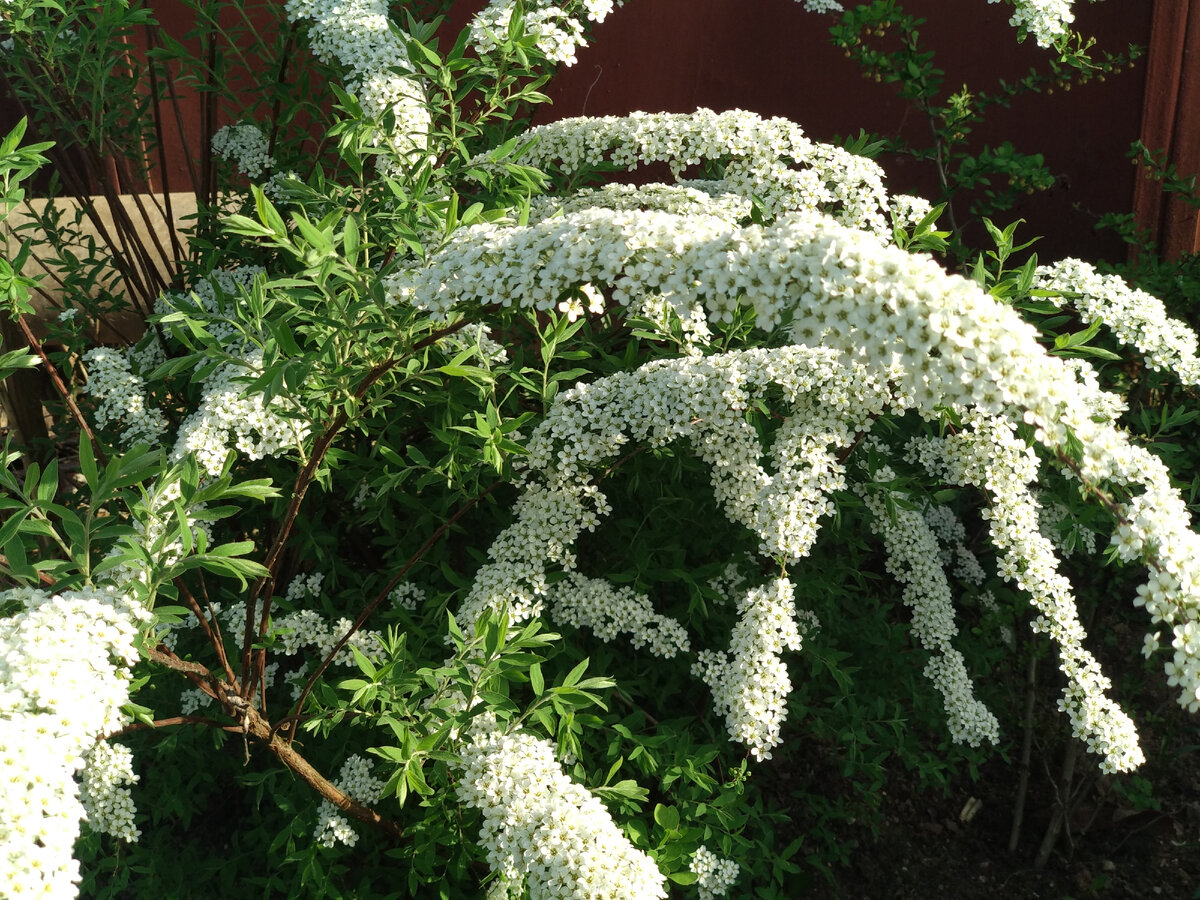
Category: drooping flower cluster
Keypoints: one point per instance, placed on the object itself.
(246, 147)
(1137, 319)
(63, 680)
(359, 35)
(543, 832)
(104, 790)
(750, 683)
(913, 557)
(122, 396)
(358, 782)
(988, 453)
(714, 875)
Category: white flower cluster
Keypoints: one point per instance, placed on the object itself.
(913, 558)
(277, 186)
(951, 537)
(406, 595)
(767, 159)
(304, 587)
(608, 610)
(542, 831)
(63, 680)
(122, 397)
(750, 683)
(557, 30)
(729, 583)
(988, 453)
(1137, 319)
(104, 791)
(714, 875)
(1046, 20)
(359, 784)
(226, 420)
(307, 628)
(246, 147)
(359, 35)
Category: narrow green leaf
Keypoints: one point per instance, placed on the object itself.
(575, 674)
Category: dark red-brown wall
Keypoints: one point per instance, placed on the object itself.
(772, 57)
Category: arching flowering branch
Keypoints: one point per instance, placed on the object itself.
(936, 338)
(1136, 318)
(769, 160)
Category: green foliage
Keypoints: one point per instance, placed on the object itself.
(409, 468)
(885, 42)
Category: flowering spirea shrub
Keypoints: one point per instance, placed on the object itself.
(733, 437)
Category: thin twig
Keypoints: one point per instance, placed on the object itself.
(63, 392)
(168, 722)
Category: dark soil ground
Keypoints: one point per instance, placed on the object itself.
(1124, 837)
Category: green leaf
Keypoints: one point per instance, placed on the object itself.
(12, 524)
(351, 240)
(666, 816)
(15, 360)
(683, 877)
(268, 215)
(87, 461)
(363, 663)
(575, 674)
(536, 680)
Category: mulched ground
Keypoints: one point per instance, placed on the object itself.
(1112, 848)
